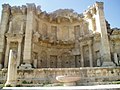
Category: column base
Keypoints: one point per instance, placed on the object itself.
(11, 83)
(108, 64)
(25, 66)
(70, 84)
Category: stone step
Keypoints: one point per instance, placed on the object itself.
(95, 87)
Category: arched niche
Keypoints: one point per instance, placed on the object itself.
(42, 62)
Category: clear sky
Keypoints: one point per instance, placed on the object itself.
(111, 7)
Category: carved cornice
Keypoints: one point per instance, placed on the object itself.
(64, 15)
(115, 37)
(86, 38)
(14, 36)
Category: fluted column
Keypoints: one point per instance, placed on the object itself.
(90, 54)
(7, 54)
(82, 57)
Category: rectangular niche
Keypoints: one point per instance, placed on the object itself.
(54, 33)
(77, 61)
(86, 56)
(53, 61)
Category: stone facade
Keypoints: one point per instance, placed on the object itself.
(60, 39)
(59, 43)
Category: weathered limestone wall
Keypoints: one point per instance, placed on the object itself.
(88, 75)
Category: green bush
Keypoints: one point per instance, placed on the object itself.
(24, 82)
(8, 85)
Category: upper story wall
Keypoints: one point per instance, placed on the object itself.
(62, 24)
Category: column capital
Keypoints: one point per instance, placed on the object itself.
(99, 5)
(6, 8)
(31, 7)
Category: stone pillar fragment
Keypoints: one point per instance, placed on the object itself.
(12, 69)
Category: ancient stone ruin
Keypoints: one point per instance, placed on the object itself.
(62, 42)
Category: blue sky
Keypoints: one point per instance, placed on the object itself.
(111, 7)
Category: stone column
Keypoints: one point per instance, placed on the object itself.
(102, 29)
(19, 53)
(116, 58)
(59, 63)
(3, 29)
(10, 27)
(48, 61)
(90, 53)
(82, 57)
(22, 28)
(28, 34)
(7, 54)
(12, 69)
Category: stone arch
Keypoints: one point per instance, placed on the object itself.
(44, 29)
(42, 62)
